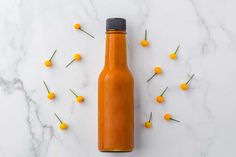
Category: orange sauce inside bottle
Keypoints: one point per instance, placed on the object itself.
(115, 98)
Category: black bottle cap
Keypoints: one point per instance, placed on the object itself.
(117, 24)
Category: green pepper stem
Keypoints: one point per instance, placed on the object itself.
(151, 77)
(46, 86)
(87, 33)
(73, 92)
(177, 49)
(175, 120)
(70, 63)
(164, 91)
(53, 55)
(190, 79)
(150, 117)
(145, 37)
(58, 118)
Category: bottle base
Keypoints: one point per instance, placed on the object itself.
(116, 151)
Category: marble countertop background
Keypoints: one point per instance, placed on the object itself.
(31, 30)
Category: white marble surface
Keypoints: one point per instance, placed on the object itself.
(31, 30)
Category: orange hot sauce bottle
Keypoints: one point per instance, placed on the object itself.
(115, 93)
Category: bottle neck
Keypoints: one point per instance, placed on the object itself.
(116, 49)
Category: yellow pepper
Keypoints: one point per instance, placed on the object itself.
(184, 86)
(145, 42)
(79, 98)
(77, 26)
(148, 124)
(157, 71)
(173, 55)
(168, 117)
(63, 125)
(51, 95)
(160, 99)
(48, 63)
(76, 57)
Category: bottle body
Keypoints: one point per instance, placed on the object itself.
(115, 98)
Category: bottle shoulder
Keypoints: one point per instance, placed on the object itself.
(117, 73)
